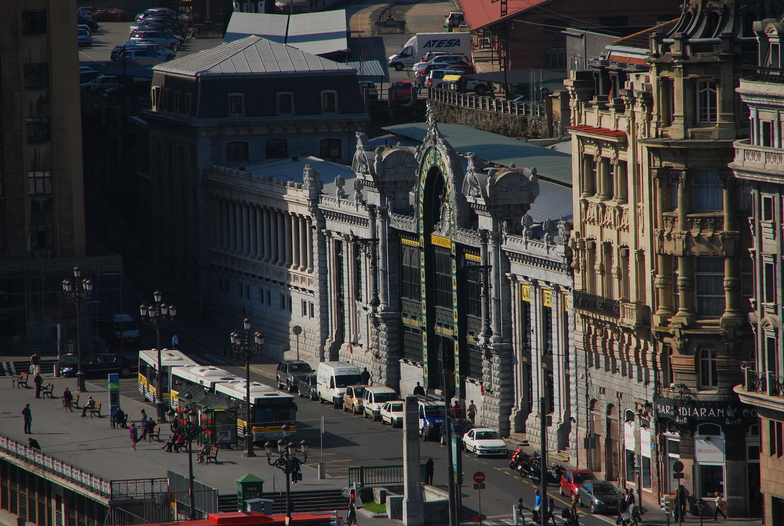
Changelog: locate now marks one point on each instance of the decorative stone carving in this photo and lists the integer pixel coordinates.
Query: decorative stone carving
(340, 182)
(360, 162)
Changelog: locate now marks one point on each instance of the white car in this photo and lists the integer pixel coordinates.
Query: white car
(484, 441)
(393, 412)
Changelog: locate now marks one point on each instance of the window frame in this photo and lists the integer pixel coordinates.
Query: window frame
(708, 365)
(279, 105)
(326, 107)
(234, 152)
(707, 102)
(236, 102)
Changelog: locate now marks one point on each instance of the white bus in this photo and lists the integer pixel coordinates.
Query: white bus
(205, 376)
(149, 370)
(270, 409)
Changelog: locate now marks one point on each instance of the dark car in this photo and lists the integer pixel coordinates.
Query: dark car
(308, 387)
(599, 496)
(289, 372)
(459, 427)
(401, 90)
(103, 364)
(89, 22)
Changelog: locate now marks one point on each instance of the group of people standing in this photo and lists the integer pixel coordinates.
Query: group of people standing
(568, 514)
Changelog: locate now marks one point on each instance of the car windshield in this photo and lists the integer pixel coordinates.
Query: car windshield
(384, 397)
(604, 489)
(396, 408)
(487, 435)
(347, 379)
(579, 478)
(359, 391)
(299, 368)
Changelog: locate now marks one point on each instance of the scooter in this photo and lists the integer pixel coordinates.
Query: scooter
(519, 461)
(553, 473)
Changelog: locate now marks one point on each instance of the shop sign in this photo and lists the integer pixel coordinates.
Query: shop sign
(645, 442)
(728, 413)
(709, 450)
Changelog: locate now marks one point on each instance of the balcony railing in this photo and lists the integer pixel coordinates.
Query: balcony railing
(486, 103)
(762, 381)
(597, 304)
(758, 158)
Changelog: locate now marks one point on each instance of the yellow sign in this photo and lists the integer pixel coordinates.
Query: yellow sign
(412, 242)
(473, 257)
(547, 298)
(566, 302)
(440, 241)
(525, 293)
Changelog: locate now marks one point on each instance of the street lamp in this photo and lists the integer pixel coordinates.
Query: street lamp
(246, 350)
(190, 429)
(287, 462)
(159, 315)
(77, 292)
(297, 330)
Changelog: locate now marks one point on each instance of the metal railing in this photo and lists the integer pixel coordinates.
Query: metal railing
(371, 475)
(762, 381)
(486, 103)
(597, 304)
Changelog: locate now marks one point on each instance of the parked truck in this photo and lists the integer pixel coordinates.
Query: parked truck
(421, 43)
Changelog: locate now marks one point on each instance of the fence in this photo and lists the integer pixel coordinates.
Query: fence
(475, 102)
(375, 475)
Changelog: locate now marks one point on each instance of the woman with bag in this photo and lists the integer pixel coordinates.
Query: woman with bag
(720, 505)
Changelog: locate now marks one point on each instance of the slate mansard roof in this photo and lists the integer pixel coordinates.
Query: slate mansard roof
(250, 56)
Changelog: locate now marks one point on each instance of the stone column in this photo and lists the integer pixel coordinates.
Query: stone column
(310, 228)
(605, 184)
(245, 246)
(267, 235)
(621, 182)
(303, 243)
(295, 253)
(280, 233)
(287, 224)
(413, 499)
(587, 176)
(225, 225)
(663, 279)
(253, 230)
(732, 311)
(233, 226)
(259, 233)
(597, 176)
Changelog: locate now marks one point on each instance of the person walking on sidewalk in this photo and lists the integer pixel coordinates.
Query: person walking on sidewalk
(472, 412)
(38, 381)
(551, 512)
(429, 470)
(537, 506)
(720, 505)
(67, 400)
(28, 419)
(519, 507)
(351, 516)
(134, 435)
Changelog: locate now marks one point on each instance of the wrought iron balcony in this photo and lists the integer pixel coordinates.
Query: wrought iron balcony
(597, 304)
(762, 381)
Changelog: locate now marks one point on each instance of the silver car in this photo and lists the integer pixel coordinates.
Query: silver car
(160, 38)
(599, 495)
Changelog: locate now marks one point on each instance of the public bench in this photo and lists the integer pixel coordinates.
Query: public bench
(94, 410)
(212, 455)
(47, 389)
(20, 380)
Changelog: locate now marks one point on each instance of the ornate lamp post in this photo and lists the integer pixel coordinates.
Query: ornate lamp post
(77, 292)
(159, 315)
(246, 350)
(191, 430)
(287, 461)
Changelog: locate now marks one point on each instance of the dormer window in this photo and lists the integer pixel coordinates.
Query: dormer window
(285, 104)
(236, 105)
(329, 102)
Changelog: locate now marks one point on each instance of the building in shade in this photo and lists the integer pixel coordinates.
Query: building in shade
(42, 217)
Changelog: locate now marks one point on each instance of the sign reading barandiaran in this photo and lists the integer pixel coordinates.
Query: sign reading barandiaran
(728, 413)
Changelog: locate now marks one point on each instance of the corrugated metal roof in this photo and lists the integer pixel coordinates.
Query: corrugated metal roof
(482, 13)
(315, 33)
(368, 69)
(496, 149)
(250, 55)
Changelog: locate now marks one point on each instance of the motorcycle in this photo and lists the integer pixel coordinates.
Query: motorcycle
(552, 473)
(519, 458)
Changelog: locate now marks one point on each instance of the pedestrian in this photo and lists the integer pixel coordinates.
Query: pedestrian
(679, 513)
(519, 511)
(35, 363)
(295, 474)
(175, 341)
(33, 444)
(634, 512)
(721, 504)
(551, 512)
(623, 511)
(457, 410)
(143, 424)
(419, 390)
(365, 377)
(38, 381)
(537, 506)
(472, 412)
(429, 470)
(574, 519)
(89, 405)
(67, 400)
(134, 435)
(201, 456)
(28, 419)
(351, 516)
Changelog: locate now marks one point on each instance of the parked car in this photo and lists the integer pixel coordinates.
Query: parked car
(158, 37)
(86, 27)
(600, 496)
(101, 84)
(163, 51)
(427, 67)
(443, 59)
(372, 91)
(430, 54)
(85, 11)
(308, 387)
(352, 398)
(134, 53)
(89, 22)
(459, 427)
(572, 479)
(374, 398)
(85, 39)
(102, 364)
(484, 441)
(392, 412)
(401, 90)
(87, 75)
(289, 372)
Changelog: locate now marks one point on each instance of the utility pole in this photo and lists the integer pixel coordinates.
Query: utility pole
(543, 518)
(454, 512)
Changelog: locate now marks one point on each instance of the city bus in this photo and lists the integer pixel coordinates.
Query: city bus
(205, 376)
(148, 371)
(270, 409)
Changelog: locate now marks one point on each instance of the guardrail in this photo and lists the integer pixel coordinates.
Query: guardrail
(762, 381)
(374, 475)
(486, 103)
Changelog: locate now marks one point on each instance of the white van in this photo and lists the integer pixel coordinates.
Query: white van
(333, 378)
(374, 398)
(125, 328)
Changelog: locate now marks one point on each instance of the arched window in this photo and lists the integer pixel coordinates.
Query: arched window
(237, 151)
(330, 149)
(277, 149)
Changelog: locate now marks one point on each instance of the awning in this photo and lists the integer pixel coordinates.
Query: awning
(369, 69)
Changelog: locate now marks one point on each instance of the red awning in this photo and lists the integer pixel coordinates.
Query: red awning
(595, 130)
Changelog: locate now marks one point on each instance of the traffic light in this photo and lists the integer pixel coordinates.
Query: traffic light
(633, 462)
(352, 495)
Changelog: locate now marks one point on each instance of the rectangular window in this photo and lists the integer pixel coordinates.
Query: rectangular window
(631, 463)
(312, 310)
(645, 465)
(329, 102)
(304, 308)
(290, 304)
(709, 369)
(767, 209)
(709, 286)
(525, 328)
(473, 293)
(39, 130)
(711, 479)
(282, 302)
(708, 191)
(547, 327)
(410, 282)
(766, 133)
(236, 104)
(770, 282)
(706, 101)
(237, 151)
(443, 269)
(269, 297)
(285, 104)
(39, 183)
(34, 22)
(36, 76)
(555, 58)
(358, 281)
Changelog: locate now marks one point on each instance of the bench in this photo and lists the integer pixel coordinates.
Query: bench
(20, 380)
(156, 433)
(212, 455)
(47, 389)
(75, 400)
(95, 409)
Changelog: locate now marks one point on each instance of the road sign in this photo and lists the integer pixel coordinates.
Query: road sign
(677, 466)
(479, 477)
(678, 475)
